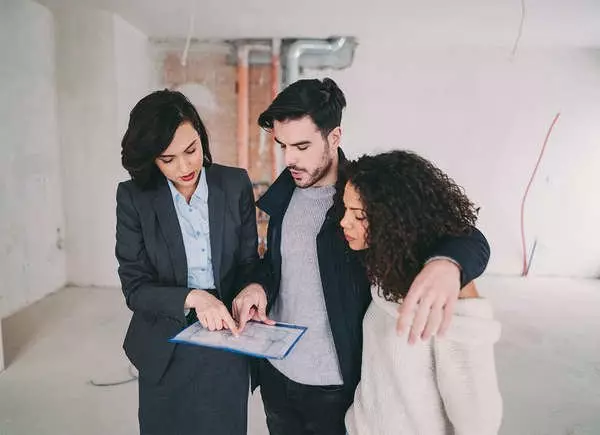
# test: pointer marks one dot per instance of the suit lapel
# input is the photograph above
(169, 226)
(216, 220)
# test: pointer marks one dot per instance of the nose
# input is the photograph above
(290, 156)
(183, 166)
(344, 223)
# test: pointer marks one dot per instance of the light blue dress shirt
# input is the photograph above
(193, 220)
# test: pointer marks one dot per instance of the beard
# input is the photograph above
(317, 174)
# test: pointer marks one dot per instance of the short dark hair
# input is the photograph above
(411, 206)
(323, 101)
(152, 125)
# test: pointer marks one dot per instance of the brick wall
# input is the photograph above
(210, 84)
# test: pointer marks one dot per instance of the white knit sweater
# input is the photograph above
(445, 386)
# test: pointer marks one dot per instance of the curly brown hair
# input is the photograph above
(411, 206)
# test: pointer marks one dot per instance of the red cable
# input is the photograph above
(525, 266)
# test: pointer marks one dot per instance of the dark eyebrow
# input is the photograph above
(296, 144)
(188, 147)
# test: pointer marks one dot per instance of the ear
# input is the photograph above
(334, 138)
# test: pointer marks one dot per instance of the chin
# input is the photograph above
(357, 246)
(305, 182)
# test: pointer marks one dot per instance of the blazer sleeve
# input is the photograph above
(137, 275)
(263, 275)
(248, 243)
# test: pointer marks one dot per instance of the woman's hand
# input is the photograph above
(211, 312)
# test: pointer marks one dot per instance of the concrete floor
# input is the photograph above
(548, 362)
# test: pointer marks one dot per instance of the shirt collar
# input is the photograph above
(200, 194)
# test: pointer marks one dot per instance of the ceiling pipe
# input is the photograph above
(292, 68)
(298, 48)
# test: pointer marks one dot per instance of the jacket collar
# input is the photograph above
(275, 200)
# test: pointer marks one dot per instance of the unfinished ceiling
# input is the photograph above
(548, 23)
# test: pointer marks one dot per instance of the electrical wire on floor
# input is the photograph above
(531, 257)
(133, 377)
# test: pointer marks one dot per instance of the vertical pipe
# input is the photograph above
(1, 349)
(243, 107)
(275, 80)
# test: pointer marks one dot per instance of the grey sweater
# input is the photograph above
(301, 301)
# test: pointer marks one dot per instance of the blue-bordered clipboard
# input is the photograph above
(257, 339)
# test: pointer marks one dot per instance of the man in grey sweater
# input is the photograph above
(301, 300)
(310, 277)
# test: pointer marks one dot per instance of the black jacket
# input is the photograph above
(153, 265)
(345, 284)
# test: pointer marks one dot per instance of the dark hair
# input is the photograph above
(410, 206)
(152, 125)
(323, 101)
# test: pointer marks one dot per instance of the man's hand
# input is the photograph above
(432, 295)
(211, 312)
(251, 304)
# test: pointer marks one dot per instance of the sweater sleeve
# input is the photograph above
(466, 370)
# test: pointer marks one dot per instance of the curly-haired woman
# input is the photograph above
(398, 207)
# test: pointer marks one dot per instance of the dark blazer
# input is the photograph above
(153, 265)
(345, 284)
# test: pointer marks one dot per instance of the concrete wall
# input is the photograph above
(135, 69)
(32, 224)
(88, 119)
(104, 69)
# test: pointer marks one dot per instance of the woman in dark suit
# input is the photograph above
(186, 243)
